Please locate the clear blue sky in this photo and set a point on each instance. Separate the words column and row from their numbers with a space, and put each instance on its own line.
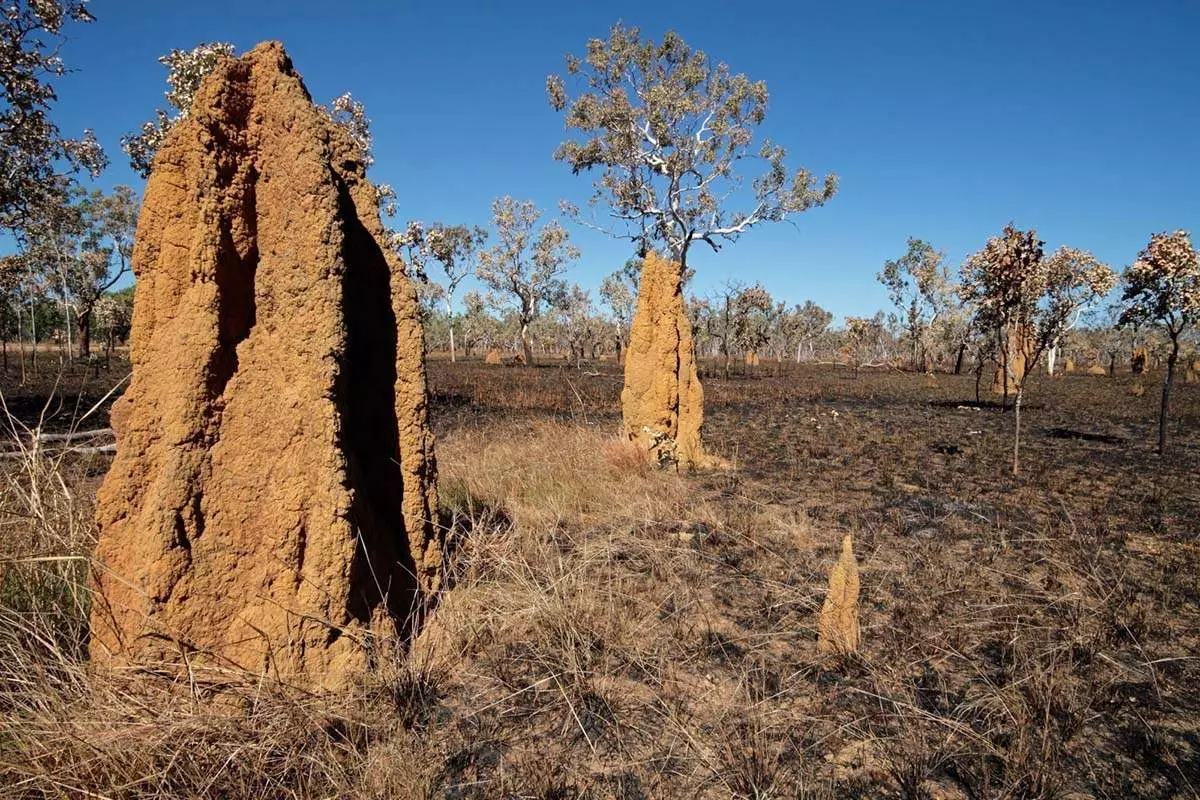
column 944, row 120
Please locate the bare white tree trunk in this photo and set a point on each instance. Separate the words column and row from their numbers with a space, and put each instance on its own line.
column 450, row 321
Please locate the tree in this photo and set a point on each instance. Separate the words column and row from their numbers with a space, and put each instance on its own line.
column 669, row 130
column 479, row 328
column 114, row 319
column 1065, row 267
column 619, row 292
column 523, row 269
column 716, row 313
column 811, row 322
column 108, row 251
column 32, row 149
column 863, row 337
column 753, row 318
column 1163, row 287
column 1027, row 300
column 919, row 285
column 81, row 247
column 454, row 248
column 580, row 325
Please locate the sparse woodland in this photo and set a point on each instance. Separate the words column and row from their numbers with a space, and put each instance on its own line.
column 950, row 550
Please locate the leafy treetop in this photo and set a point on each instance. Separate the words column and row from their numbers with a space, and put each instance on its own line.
column 669, row 129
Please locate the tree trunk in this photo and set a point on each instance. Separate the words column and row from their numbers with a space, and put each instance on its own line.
column 85, row 333
column 1017, row 429
column 452, row 356
column 1004, row 345
column 21, row 343
column 33, row 337
column 958, row 361
column 526, row 347
column 70, row 338
column 1166, row 394
column 1112, row 365
column 1051, row 357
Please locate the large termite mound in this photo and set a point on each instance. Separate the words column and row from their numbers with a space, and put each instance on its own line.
column 662, row 401
column 270, row 505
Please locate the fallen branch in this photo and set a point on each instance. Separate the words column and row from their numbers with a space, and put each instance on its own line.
column 66, row 437
column 104, row 449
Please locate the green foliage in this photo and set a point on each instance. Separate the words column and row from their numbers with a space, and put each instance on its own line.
column 32, row 149
column 669, row 128
column 523, row 268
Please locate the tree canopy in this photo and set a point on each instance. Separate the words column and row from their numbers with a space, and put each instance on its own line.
column 670, row 131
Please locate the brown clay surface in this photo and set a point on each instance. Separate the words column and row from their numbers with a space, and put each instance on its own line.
column 662, row 402
column 269, row 506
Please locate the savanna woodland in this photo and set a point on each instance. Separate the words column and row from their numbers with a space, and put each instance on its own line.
column 304, row 493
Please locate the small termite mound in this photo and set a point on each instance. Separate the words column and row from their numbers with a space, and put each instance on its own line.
column 837, row 626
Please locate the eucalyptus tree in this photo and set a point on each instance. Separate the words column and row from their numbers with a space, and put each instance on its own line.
column 107, row 255
column 1162, row 287
column 862, row 339
column 618, row 291
column 580, row 324
column 811, row 323
column 454, row 248
column 479, row 328
column 920, row 287
column 1027, row 300
column 754, row 315
column 523, row 269
column 33, row 150
column 670, row 134
column 78, row 248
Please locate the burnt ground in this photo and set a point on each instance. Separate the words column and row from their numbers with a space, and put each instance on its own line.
column 1023, row 636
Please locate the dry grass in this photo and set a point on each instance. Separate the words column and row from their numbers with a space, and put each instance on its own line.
column 616, row 632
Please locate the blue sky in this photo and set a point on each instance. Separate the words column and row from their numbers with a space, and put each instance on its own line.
column 944, row 120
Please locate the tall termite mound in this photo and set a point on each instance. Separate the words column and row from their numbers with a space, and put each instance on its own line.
column 662, row 402
column 270, row 504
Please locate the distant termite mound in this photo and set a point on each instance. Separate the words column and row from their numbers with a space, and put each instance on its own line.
column 270, row 505
column 662, row 402
column 1137, row 362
